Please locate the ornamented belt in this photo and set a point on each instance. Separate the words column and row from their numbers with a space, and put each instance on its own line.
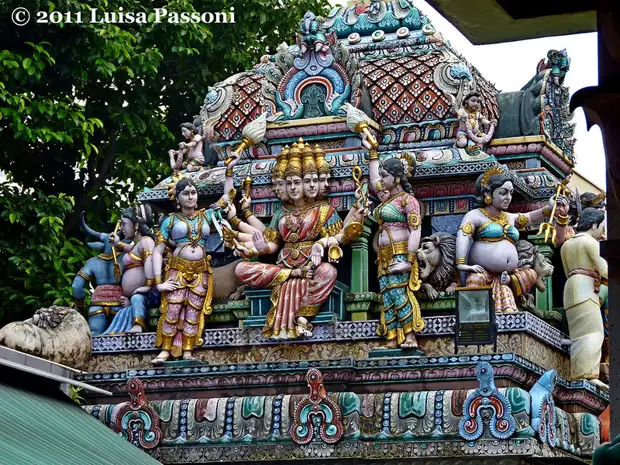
column 594, row 274
column 386, row 254
column 190, row 269
column 295, row 248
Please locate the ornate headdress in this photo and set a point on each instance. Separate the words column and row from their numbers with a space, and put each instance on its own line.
column 598, row 200
column 279, row 167
column 294, row 166
column 176, row 176
column 408, row 163
column 308, row 162
column 486, row 177
column 321, row 163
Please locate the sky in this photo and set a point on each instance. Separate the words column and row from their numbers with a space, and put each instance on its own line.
column 511, row 65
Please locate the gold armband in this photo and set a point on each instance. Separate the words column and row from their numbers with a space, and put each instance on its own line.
column 157, row 279
column 468, row 229
column 546, row 211
column 460, row 261
column 373, row 154
column 159, row 238
column 412, row 257
column 414, row 220
column 229, row 172
column 235, row 221
column 562, row 220
column 247, row 212
column 522, row 221
column 272, row 235
column 150, row 282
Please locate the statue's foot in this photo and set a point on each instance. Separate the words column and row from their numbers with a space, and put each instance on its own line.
column 161, row 358
column 187, row 355
column 410, row 342
column 599, row 384
column 136, row 329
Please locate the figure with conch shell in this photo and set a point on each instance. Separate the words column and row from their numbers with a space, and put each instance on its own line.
column 486, row 240
column 586, row 272
column 397, row 243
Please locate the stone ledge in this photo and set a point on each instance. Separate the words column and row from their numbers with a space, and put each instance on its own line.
column 333, row 332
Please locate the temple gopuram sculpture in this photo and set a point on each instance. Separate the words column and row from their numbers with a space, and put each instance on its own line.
column 586, row 271
column 361, row 192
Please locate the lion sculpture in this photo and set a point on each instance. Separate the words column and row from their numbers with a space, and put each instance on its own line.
column 531, row 257
column 58, row 334
column 436, row 264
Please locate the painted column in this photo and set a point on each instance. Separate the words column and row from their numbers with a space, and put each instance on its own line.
column 360, row 299
column 359, row 263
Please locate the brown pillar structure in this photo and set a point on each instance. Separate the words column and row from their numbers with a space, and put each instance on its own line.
column 601, row 105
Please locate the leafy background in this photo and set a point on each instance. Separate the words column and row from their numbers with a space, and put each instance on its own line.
column 87, row 113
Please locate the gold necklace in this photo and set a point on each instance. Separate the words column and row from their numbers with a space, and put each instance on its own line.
column 502, row 219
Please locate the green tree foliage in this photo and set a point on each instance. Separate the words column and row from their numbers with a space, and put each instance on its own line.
column 37, row 260
column 89, row 110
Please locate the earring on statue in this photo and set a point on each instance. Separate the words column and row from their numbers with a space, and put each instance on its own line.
column 487, row 200
column 178, row 206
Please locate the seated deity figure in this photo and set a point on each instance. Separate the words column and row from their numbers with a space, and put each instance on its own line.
column 139, row 294
column 187, row 287
column 189, row 155
column 486, row 240
column 475, row 131
column 397, row 243
column 300, row 280
column 586, row 272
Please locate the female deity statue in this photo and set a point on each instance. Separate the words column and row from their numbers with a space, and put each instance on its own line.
column 475, row 130
column 192, row 149
column 586, row 272
column 187, row 289
column 299, row 280
column 492, row 258
column 138, row 280
column 397, row 243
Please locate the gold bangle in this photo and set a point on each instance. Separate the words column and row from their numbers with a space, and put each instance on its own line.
column 412, row 257
column 235, row 221
column 247, row 213
column 150, row 282
column 562, row 220
column 373, row 154
column 157, row 279
column 229, row 172
column 460, row 261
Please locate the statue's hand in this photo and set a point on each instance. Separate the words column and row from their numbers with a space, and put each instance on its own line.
column 471, row 268
column 317, row 253
column 232, row 211
column 451, row 289
column 242, row 251
column 168, row 286
column 114, row 239
column 562, row 206
column 234, row 159
column 246, row 202
column 399, row 267
column 182, row 146
column 504, row 278
column 258, row 238
column 124, row 301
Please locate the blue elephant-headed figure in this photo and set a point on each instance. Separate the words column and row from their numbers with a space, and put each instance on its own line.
column 100, row 272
